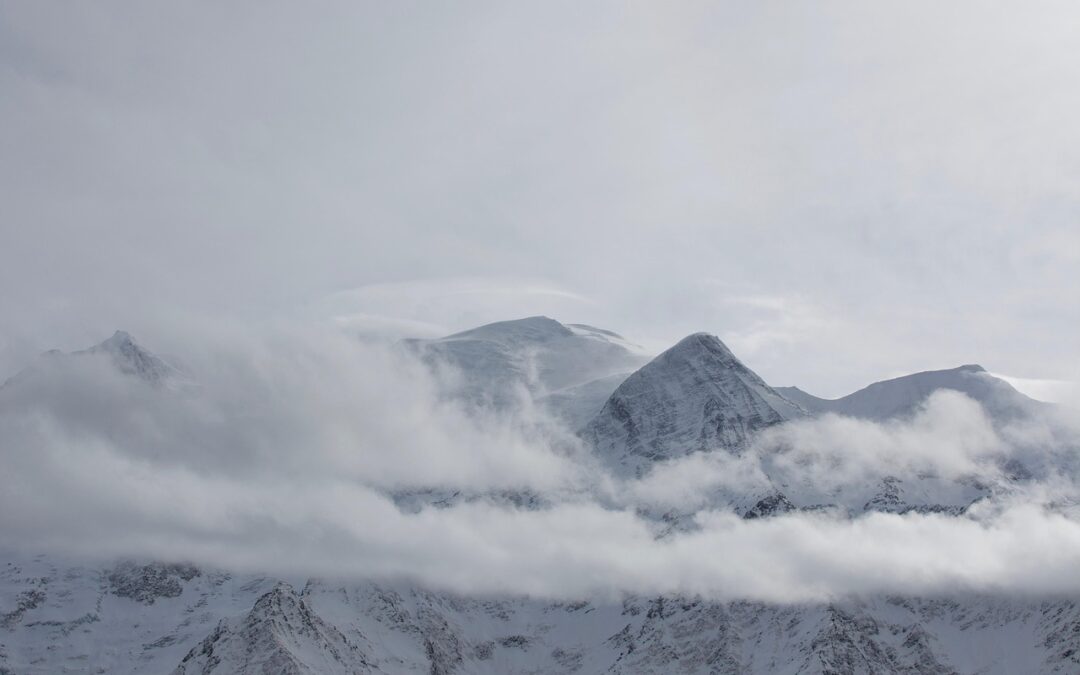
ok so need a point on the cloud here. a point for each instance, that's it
(289, 403)
(282, 457)
(1054, 391)
(439, 306)
(569, 551)
(835, 460)
(950, 435)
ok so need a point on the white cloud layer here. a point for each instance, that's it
(280, 455)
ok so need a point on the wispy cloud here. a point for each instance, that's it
(439, 306)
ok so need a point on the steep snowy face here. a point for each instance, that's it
(695, 396)
(901, 396)
(537, 355)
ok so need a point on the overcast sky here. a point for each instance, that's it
(841, 191)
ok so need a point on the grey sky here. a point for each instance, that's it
(843, 191)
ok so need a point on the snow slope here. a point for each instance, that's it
(61, 616)
(537, 356)
(902, 395)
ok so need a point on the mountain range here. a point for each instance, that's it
(635, 415)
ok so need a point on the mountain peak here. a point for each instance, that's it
(131, 358)
(282, 634)
(701, 343)
(536, 353)
(695, 396)
(708, 357)
(120, 349)
(121, 339)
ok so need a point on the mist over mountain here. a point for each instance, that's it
(900, 396)
(537, 355)
(590, 509)
(448, 338)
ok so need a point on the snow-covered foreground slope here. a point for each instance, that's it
(61, 617)
(181, 620)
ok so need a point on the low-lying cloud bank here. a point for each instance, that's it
(282, 452)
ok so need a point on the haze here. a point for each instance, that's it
(843, 192)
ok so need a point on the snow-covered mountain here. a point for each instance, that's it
(78, 616)
(146, 619)
(696, 396)
(281, 634)
(130, 358)
(60, 616)
(121, 351)
(570, 368)
(902, 395)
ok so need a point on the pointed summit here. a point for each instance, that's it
(125, 354)
(281, 634)
(697, 345)
(129, 357)
(695, 396)
(119, 340)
